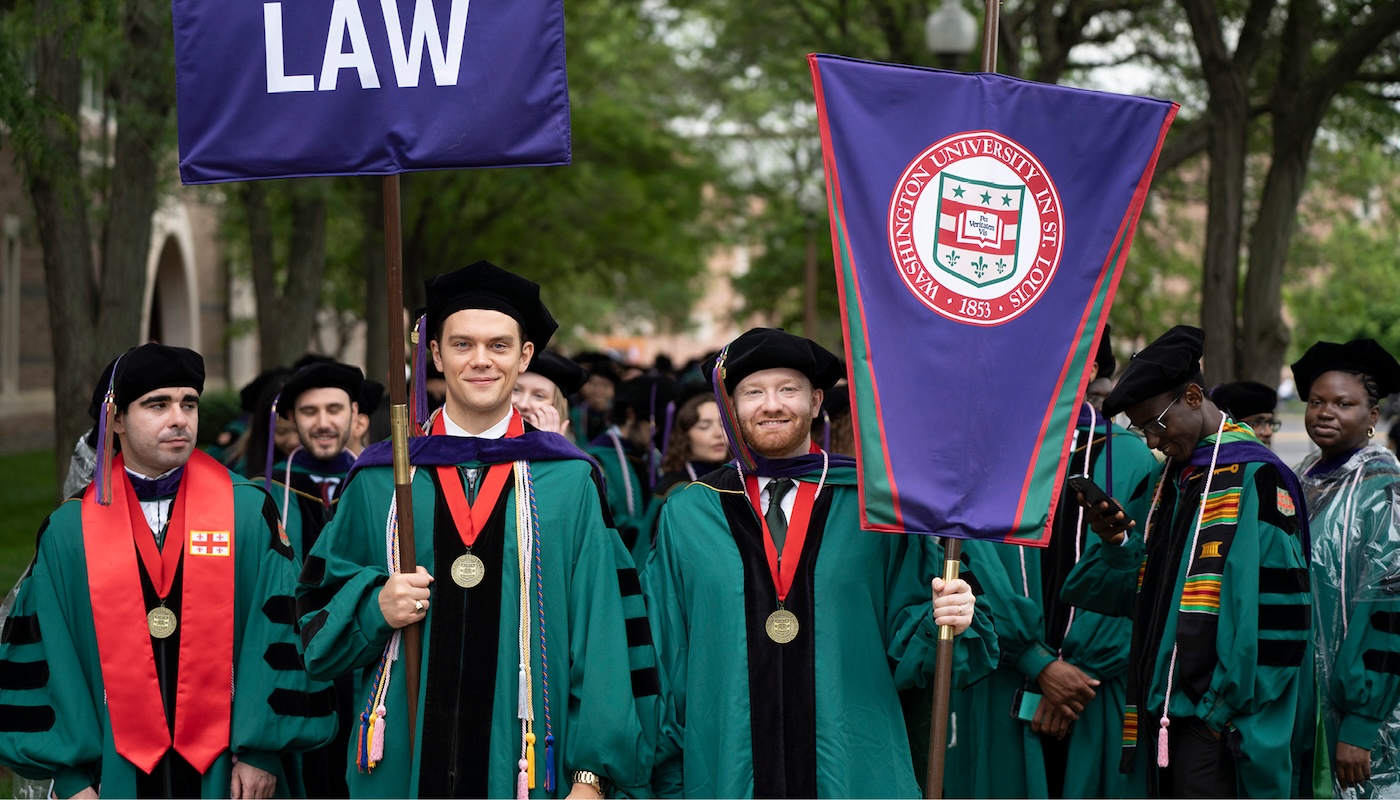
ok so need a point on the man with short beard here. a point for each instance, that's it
(537, 669)
(321, 400)
(783, 630)
(154, 596)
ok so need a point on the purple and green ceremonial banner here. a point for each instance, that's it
(980, 225)
(368, 87)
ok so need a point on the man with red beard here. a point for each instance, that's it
(796, 627)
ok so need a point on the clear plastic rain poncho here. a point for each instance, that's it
(1354, 513)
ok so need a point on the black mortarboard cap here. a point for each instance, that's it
(142, 369)
(320, 375)
(485, 285)
(564, 372)
(371, 395)
(249, 394)
(1159, 367)
(307, 359)
(1104, 358)
(837, 400)
(647, 395)
(774, 348)
(1358, 355)
(1244, 398)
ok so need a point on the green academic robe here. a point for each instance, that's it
(1354, 512)
(592, 684)
(1231, 646)
(299, 502)
(629, 501)
(53, 716)
(305, 514)
(816, 717)
(998, 755)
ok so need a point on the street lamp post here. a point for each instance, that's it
(950, 33)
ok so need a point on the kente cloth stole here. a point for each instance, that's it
(202, 528)
(1198, 608)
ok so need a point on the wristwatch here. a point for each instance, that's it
(590, 778)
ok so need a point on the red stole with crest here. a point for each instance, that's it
(202, 532)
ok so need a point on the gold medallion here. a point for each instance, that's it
(161, 621)
(781, 626)
(467, 571)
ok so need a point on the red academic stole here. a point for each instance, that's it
(785, 569)
(113, 538)
(470, 518)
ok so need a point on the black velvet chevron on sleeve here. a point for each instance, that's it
(21, 630)
(274, 527)
(1267, 486)
(293, 703)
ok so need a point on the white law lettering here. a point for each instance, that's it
(277, 78)
(446, 63)
(345, 18)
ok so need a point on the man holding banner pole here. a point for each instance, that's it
(1216, 581)
(777, 619)
(538, 674)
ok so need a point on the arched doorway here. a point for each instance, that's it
(172, 319)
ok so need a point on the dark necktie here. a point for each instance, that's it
(777, 523)
(326, 488)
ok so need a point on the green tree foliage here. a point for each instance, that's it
(759, 109)
(620, 236)
(1346, 281)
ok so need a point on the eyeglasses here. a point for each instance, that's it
(1273, 423)
(1155, 427)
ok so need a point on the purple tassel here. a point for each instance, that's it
(549, 764)
(271, 443)
(420, 378)
(666, 431)
(102, 475)
(729, 417)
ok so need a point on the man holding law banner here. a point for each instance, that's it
(980, 225)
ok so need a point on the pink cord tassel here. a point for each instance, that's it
(1163, 759)
(376, 741)
(522, 782)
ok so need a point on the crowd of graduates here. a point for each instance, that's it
(652, 581)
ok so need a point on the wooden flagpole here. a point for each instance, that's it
(952, 548)
(398, 420)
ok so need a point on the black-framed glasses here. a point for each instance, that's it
(1273, 423)
(1154, 426)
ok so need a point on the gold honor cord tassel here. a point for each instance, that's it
(467, 571)
(781, 626)
(161, 622)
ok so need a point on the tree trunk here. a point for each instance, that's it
(90, 326)
(1302, 94)
(287, 303)
(1228, 110)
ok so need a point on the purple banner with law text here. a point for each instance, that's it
(368, 87)
(980, 225)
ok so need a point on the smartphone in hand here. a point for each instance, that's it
(1093, 495)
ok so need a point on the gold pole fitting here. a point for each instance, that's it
(398, 426)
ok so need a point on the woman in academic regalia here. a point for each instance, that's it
(1352, 488)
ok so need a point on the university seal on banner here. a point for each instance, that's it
(976, 228)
